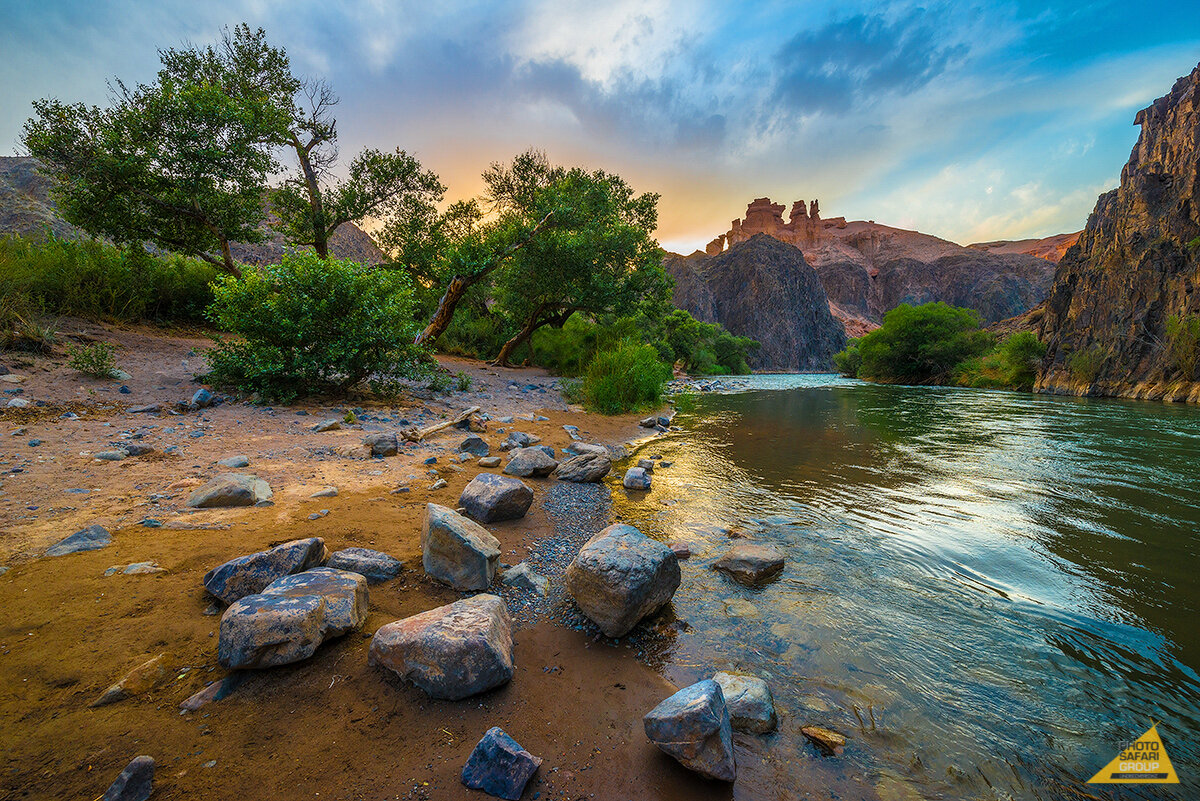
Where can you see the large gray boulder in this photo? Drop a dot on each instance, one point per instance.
(451, 652)
(92, 538)
(489, 498)
(474, 445)
(383, 443)
(230, 489)
(620, 576)
(586, 468)
(457, 551)
(636, 478)
(375, 566)
(750, 563)
(749, 701)
(499, 766)
(530, 462)
(250, 574)
(290, 619)
(693, 726)
(135, 783)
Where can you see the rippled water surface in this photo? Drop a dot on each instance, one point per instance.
(990, 592)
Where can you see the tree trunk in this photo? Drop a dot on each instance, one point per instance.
(531, 325)
(227, 258)
(320, 235)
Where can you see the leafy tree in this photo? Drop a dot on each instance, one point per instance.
(921, 344)
(180, 162)
(1183, 343)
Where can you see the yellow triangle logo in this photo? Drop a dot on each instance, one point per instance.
(1143, 761)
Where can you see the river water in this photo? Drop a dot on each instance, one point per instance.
(990, 593)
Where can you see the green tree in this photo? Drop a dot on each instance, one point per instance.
(1183, 343)
(921, 344)
(180, 162)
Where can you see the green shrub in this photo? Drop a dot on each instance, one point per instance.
(921, 344)
(849, 361)
(1085, 365)
(571, 389)
(462, 382)
(309, 326)
(1183, 343)
(1020, 356)
(97, 359)
(627, 378)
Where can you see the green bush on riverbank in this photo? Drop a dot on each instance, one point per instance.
(626, 378)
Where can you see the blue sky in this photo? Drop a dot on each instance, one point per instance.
(972, 122)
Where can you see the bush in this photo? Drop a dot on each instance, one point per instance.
(627, 378)
(97, 359)
(1085, 365)
(849, 361)
(310, 326)
(1020, 356)
(1183, 343)
(921, 344)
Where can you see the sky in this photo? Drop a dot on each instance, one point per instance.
(974, 122)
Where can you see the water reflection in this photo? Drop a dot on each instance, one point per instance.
(989, 591)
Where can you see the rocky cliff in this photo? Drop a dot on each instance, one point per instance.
(1050, 248)
(26, 208)
(764, 289)
(1136, 264)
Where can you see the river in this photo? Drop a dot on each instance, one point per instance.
(990, 593)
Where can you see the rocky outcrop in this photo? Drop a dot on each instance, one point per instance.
(1050, 248)
(1136, 265)
(763, 289)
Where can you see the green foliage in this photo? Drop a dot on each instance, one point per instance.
(849, 361)
(572, 390)
(309, 326)
(921, 344)
(98, 281)
(1183, 343)
(462, 382)
(1020, 356)
(1085, 365)
(704, 348)
(627, 378)
(1194, 245)
(97, 359)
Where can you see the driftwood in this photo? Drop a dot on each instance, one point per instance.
(415, 434)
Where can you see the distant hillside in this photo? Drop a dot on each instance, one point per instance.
(1051, 248)
(27, 209)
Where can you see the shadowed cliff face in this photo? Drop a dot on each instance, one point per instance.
(764, 289)
(1133, 266)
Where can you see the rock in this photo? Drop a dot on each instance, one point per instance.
(373, 565)
(518, 439)
(215, 691)
(636, 478)
(327, 492)
(150, 408)
(201, 399)
(135, 569)
(230, 489)
(451, 652)
(828, 741)
(681, 550)
(327, 425)
(110, 456)
(620, 576)
(457, 551)
(524, 577)
(17, 403)
(646, 464)
(693, 726)
(648, 422)
(251, 574)
(499, 766)
(143, 678)
(135, 783)
(474, 445)
(489, 461)
(586, 468)
(290, 619)
(441, 483)
(92, 538)
(490, 498)
(136, 449)
(748, 699)
(750, 563)
(382, 444)
(529, 462)
(235, 461)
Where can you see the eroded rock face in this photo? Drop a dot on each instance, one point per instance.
(489, 498)
(230, 489)
(750, 563)
(250, 574)
(586, 468)
(451, 652)
(749, 701)
(620, 576)
(458, 551)
(693, 726)
(499, 766)
(1134, 266)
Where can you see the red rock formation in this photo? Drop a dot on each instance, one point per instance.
(803, 227)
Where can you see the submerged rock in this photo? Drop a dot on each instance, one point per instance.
(636, 478)
(750, 563)
(490, 498)
(250, 574)
(458, 551)
(693, 726)
(92, 538)
(230, 489)
(828, 741)
(620, 576)
(499, 766)
(749, 701)
(135, 782)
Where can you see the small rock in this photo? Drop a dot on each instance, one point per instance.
(201, 399)
(748, 698)
(33, 443)
(136, 449)
(235, 461)
(474, 445)
(92, 538)
(327, 492)
(124, 390)
(441, 483)
(750, 563)
(489, 498)
(142, 678)
(150, 408)
(251, 574)
(620, 576)
(524, 577)
(374, 565)
(230, 489)
(489, 461)
(457, 551)
(518, 439)
(586, 468)
(499, 766)
(110, 456)
(828, 741)
(327, 425)
(648, 422)
(450, 652)
(529, 462)
(213, 692)
(135, 783)
(382, 444)
(693, 726)
(636, 478)
(681, 550)
(646, 464)
(135, 569)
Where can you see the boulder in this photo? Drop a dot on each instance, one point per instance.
(201, 399)
(499, 766)
(230, 489)
(750, 563)
(457, 551)
(748, 699)
(489, 461)
(142, 678)
(530, 462)
(111, 456)
(620, 576)
(375, 566)
(586, 468)
(474, 445)
(636, 478)
(382, 444)
(489, 498)
(518, 439)
(250, 574)
(234, 462)
(92, 538)
(327, 425)
(451, 652)
(524, 577)
(693, 726)
(290, 619)
(135, 783)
